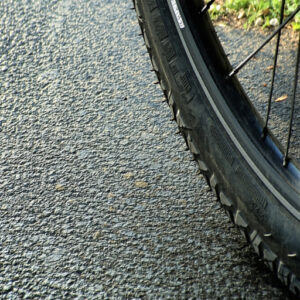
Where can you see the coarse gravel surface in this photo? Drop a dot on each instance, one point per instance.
(98, 200)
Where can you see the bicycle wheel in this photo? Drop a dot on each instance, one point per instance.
(242, 162)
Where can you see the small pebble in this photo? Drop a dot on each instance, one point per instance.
(274, 22)
(141, 184)
(259, 21)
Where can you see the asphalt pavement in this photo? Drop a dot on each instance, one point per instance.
(98, 199)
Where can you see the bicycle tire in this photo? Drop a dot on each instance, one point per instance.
(223, 132)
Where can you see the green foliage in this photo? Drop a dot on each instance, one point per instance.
(263, 13)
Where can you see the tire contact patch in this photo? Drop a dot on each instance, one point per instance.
(177, 14)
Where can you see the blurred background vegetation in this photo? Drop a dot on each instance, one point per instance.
(256, 12)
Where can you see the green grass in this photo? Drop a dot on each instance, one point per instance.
(252, 10)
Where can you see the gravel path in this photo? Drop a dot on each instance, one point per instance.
(97, 197)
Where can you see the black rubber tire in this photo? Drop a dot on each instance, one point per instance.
(240, 167)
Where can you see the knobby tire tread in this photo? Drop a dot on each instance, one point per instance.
(148, 9)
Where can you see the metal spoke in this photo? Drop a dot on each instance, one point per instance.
(244, 62)
(235, 70)
(285, 159)
(207, 6)
(265, 129)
